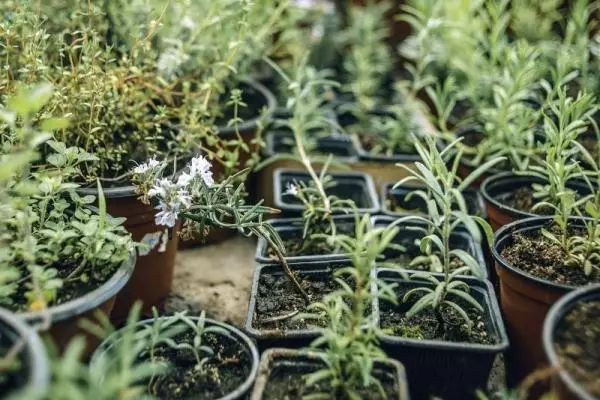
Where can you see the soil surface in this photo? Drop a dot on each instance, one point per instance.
(538, 256)
(221, 375)
(277, 297)
(577, 343)
(425, 326)
(371, 145)
(398, 204)
(287, 382)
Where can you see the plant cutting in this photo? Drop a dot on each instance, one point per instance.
(181, 356)
(442, 313)
(569, 337)
(61, 258)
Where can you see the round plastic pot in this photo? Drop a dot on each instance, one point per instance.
(34, 369)
(300, 363)
(280, 142)
(525, 299)
(566, 387)
(449, 370)
(498, 187)
(153, 274)
(293, 228)
(234, 334)
(348, 186)
(294, 339)
(459, 239)
(62, 321)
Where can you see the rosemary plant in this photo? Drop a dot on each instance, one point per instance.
(447, 211)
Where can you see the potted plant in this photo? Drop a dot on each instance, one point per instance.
(197, 357)
(24, 367)
(570, 336)
(510, 196)
(63, 258)
(445, 315)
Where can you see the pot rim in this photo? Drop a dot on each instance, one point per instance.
(88, 301)
(492, 308)
(270, 355)
(553, 318)
(37, 360)
(342, 139)
(508, 230)
(239, 336)
(252, 124)
(369, 184)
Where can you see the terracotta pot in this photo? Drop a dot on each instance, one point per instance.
(62, 321)
(153, 275)
(525, 299)
(497, 187)
(34, 372)
(564, 385)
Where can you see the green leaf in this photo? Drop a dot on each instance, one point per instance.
(478, 172)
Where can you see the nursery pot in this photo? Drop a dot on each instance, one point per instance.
(33, 376)
(564, 384)
(499, 187)
(153, 274)
(235, 336)
(525, 298)
(62, 321)
(282, 363)
(450, 370)
(271, 280)
(407, 235)
(293, 228)
(355, 186)
(280, 141)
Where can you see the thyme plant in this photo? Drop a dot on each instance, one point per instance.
(447, 212)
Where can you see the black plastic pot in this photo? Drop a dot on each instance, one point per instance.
(62, 321)
(525, 299)
(293, 228)
(449, 370)
(497, 188)
(349, 186)
(34, 375)
(235, 335)
(460, 239)
(292, 362)
(566, 387)
(277, 337)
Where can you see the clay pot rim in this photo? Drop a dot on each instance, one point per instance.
(238, 336)
(37, 361)
(527, 224)
(88, 301)
(505, 177)
(270, 355)
(252, 124)
(553, 318)
(491, 305)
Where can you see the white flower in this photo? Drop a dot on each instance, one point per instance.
(200, 166)
(168, 214)
(161, 188)
(149, 165)
(292, 190)
(187, 22)
(184, 179)
(184, 198)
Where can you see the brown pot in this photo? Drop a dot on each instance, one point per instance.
(62, 322)
(498, 186)
(525, 300)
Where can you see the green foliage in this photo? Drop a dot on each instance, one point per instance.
(447, 211)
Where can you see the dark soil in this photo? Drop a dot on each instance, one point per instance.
(277, 296)
(296, 246)
(71, 289)
(223, 374)
(522, 200)
(344, 189)
(591, 145)
(403, 262)
(15, 376)
(397, 203)
(577, 344)
(538, 256)
(425, 325)
(255, 102)
(287, 382)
